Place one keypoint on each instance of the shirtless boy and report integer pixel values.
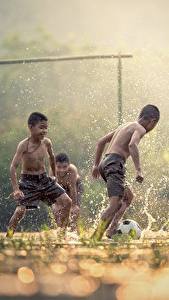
(34, 184)
(69, 178)
(123, 142)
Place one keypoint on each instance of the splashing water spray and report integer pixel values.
(151, 220)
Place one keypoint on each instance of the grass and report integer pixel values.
(37, 264)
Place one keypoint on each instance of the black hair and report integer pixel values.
(62, 158)
(149, 112)
(35, 118)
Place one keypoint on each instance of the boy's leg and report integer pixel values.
(55, 196)
(61, 210)
(106, 218)
(74, 216)
(126, 201)
(75, 210)
(113, 172)
(15, 219)
(29, 187)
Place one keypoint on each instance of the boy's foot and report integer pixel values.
(99, 232)
(10, 233)
(61, 234)
(110, 235)
(95, 238)
(73, 236)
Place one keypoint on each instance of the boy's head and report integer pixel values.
(149, 116)
(62, 162)
(38, 124)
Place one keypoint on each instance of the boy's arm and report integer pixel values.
(51, 157)
(73, 187)
(99, 150)
(50, 172)
(134, 152)
(15, 163)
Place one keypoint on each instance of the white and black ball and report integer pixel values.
(129, 227)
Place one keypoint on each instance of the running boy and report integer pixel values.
(34, 184)
(69, 178)
(123, 142)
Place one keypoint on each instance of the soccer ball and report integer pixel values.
(130, 227)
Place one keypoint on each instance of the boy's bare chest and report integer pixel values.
(35, 153)
(64, 180)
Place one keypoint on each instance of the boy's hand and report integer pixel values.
(95, 172)
(75, 209)
(139, 177)
(17, 194)
(54, 178)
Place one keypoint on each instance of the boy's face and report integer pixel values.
(39, 130)
(151, 124)
(62, 167)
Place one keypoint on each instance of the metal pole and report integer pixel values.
(80, 57)
(119, 79)
(60, 58)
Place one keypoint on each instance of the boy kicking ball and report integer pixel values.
(123, 142)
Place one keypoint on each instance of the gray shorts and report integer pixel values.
(39, 187)
(112, 170)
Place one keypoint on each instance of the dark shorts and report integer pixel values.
(112, 170)
(39, 187)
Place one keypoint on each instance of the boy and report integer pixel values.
(123, 142)
(34, 184)
(69, 178)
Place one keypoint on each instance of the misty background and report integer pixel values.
(122, 24)
(80, 98)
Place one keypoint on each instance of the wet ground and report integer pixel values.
(39, 267)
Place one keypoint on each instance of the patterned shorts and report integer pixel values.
(39, 187)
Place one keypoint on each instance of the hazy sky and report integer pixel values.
(128, 24)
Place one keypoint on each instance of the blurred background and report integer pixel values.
(80, 97)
